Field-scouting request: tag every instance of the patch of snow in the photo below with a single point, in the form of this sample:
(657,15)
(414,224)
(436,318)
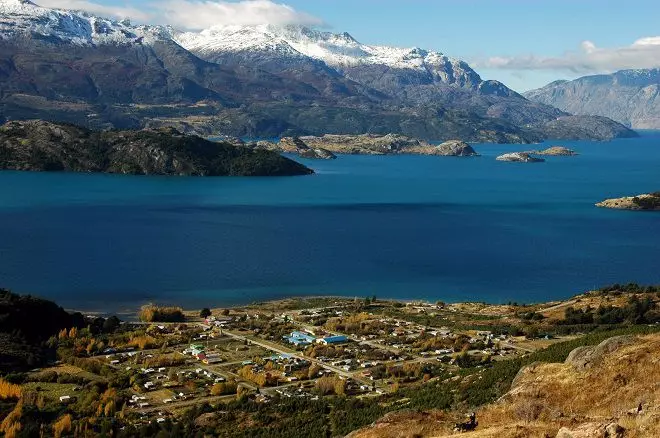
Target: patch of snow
(24,18)
(337,50)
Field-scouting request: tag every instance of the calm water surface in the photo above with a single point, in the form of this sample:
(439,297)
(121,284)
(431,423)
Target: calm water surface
(397,226)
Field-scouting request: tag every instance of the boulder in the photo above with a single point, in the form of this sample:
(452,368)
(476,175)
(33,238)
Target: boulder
(592,430)
(586,430)
(586,357)
(613,430)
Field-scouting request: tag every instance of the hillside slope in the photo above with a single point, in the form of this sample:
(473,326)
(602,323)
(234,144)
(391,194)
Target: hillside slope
(598,390)
(45,146)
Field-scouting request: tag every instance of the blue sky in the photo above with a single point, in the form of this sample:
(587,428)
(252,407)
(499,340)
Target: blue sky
(523,43)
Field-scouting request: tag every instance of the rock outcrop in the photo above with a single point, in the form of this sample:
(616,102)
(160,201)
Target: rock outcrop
(592,430)
(646,202)
(520,157)
(588,357)
(300,147)
(44,146)
(318,154)
(455,148)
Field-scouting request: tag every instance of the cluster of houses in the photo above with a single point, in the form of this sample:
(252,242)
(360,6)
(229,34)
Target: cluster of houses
(197,351)
(303,339)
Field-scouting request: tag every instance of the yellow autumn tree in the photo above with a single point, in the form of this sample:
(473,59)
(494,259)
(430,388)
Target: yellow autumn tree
(62,426)
(9,390)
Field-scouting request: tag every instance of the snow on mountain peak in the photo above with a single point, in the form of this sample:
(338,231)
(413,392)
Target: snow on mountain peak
(24,18)
(335,49)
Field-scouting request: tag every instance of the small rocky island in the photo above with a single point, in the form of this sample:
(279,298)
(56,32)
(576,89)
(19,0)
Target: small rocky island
(44,146)
(646,202)
(326,146)
(555,151)
(519,157)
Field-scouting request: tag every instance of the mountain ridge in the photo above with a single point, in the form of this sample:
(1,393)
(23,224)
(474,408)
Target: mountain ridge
(75,67)
(631,97)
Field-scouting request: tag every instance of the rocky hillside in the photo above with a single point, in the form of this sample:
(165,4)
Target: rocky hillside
(631,97)
(256,82)
(609,390)
(44,146)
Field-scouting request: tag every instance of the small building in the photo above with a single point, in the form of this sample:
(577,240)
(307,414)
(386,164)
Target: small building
(300,339)
(214,358)
(331,340)
(65,399)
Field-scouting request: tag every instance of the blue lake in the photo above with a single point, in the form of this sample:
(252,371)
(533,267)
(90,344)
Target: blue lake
(411,227)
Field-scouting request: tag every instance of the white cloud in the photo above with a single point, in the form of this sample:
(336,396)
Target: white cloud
(202,14)
(196,14)
(643,53)
(96,8)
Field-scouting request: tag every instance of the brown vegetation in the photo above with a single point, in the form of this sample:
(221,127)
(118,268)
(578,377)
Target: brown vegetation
(152,313)
(615,382)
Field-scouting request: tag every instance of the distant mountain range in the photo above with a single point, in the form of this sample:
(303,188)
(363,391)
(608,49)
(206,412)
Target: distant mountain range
(631,97)
(257,81)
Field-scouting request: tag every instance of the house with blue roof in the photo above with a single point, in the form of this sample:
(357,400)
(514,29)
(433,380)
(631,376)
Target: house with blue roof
(331,340)
(300,339)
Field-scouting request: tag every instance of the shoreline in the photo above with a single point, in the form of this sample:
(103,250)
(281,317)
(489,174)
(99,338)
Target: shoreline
(130,313)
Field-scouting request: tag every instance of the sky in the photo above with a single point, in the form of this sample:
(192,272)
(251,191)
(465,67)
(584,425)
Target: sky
(522,43)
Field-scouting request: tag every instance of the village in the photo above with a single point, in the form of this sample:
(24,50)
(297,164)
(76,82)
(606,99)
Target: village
(344,362)
(337,349)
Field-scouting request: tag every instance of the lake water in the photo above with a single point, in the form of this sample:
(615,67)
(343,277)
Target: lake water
(411,227)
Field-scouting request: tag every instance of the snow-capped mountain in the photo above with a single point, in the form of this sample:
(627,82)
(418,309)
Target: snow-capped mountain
(338,50)
(631,97)
(24,18)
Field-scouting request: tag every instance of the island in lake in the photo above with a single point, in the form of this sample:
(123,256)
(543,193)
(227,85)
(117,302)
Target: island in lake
(519,157)
(324,147)
(555,151)
(646,202)
(37,145)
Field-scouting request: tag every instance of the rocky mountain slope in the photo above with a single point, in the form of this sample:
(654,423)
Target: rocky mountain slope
(600,391)
(631,97)
(45,146)
(255,81)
